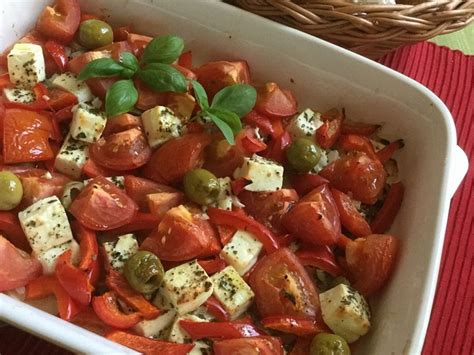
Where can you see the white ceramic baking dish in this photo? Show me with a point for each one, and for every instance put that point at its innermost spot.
(322, 76)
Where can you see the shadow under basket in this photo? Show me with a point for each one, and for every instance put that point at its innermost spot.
(368, 29)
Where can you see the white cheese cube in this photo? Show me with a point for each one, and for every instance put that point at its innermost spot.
(187, 286)
(264, 174)
(232, 291)
(304, 124)
(26, 65)
(160, 125)
(72, 157)
(156, 328)
(346, 312)
(323, 161)
(45, 224)
(22, 96)
(87, 124)
(69, 82)
(118, 181)
(242, 251)
(177, 334)
(118, 251)
(49, 258)
(225, 198)
(70, 191)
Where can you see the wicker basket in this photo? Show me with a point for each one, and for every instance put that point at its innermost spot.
(370, 30)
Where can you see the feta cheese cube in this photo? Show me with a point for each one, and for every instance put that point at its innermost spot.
(323, 161)
(241, 251)
(87, 124)
(49, 258)
(71, 189)
(72, 157)
(232, 291)
(187, 286)
(157, 328)
(304, 124)
(69, 82)
(160, 125)
(45, 225)
(26, 65)
(118, 251)
(225, 198)
(22, 96)
(264, 174)
(179, 335)
(346, 312)
(118, 181)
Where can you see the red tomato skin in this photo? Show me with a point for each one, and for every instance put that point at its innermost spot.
(61, 21)
(138, 188)
(159, 203)
(121, 123)
(314, 219)
(370, 261)
(147, 98)
(138, 43)
(357, 175)
(18, 268)
(272, 101)
(263, 345)
(282, 286)
(170, 162)
(269, 207)
(351, 218)
(224, 165)
(182, 236)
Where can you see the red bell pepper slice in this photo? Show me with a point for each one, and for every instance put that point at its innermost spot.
(73, 280)
(254, 119)
(64, 114)
(148, 346)
(294, 325)
(48, 285)
(212, 266)
(360, 128)
(186, 60)
(219, 330)
(87, 319)
(351, 142)
(386, 215)
(248, 143)
(215, 308)
(59, 99)
(304, 183)
(58, 53)
(225, 233)
(386, 153)
(107, 310)
(320, 257)
(41, 93)
(10, 226)
(89, 251)
(117, 283)
(242, 221)
(328, 134)
(277, 148)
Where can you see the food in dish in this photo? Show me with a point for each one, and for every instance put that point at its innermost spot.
(172, 206)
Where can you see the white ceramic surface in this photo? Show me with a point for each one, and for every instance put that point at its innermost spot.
(322, 76)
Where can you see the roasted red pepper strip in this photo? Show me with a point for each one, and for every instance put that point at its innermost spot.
(89, 251)
(40, 103)
(238, 185)
(58, 53)
(351, 142)
(251, 144)
(212, 266)
(148, 346)
(277, 148)
(321, 258)
(304, 183)
(328, 134)
(116, 282)
(215, 308)
(219, 330)
(386, 153)
(293, 325)
(73, 280)
(107, 310)
(10, 226)
(64, 114)
(386, 215)
(363, 129)
(254, 119)
(242, 221)
(49, 285)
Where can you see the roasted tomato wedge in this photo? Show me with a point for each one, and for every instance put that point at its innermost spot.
(35, 188)
(314, 219)
(61, 21)
(370, 261)
(351, 218)
(103, 206)
(358, 175)
(138, 188)
(125, 150)
(222, 159)
(121, 123)
(272, 101)
(282, 286)
(182, 235)
(263, 345)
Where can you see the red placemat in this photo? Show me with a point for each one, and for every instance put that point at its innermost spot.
(449, 74)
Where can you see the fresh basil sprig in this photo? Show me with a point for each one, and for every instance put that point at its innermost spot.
(227, 107)
(153, 69)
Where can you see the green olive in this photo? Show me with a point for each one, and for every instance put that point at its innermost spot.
(95, 33)
(329, 344)
(201, 186)
(303, 155)
(11, 191)
(144, 271)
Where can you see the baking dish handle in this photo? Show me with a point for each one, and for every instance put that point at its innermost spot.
(458, 170)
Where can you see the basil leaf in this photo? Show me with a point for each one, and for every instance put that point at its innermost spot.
(163, 77)
(223, 126)
(128, 60)
(121, 97)
(100, 68)
(164, 49)
(200, 94)
(238, 98)
(232, 120)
